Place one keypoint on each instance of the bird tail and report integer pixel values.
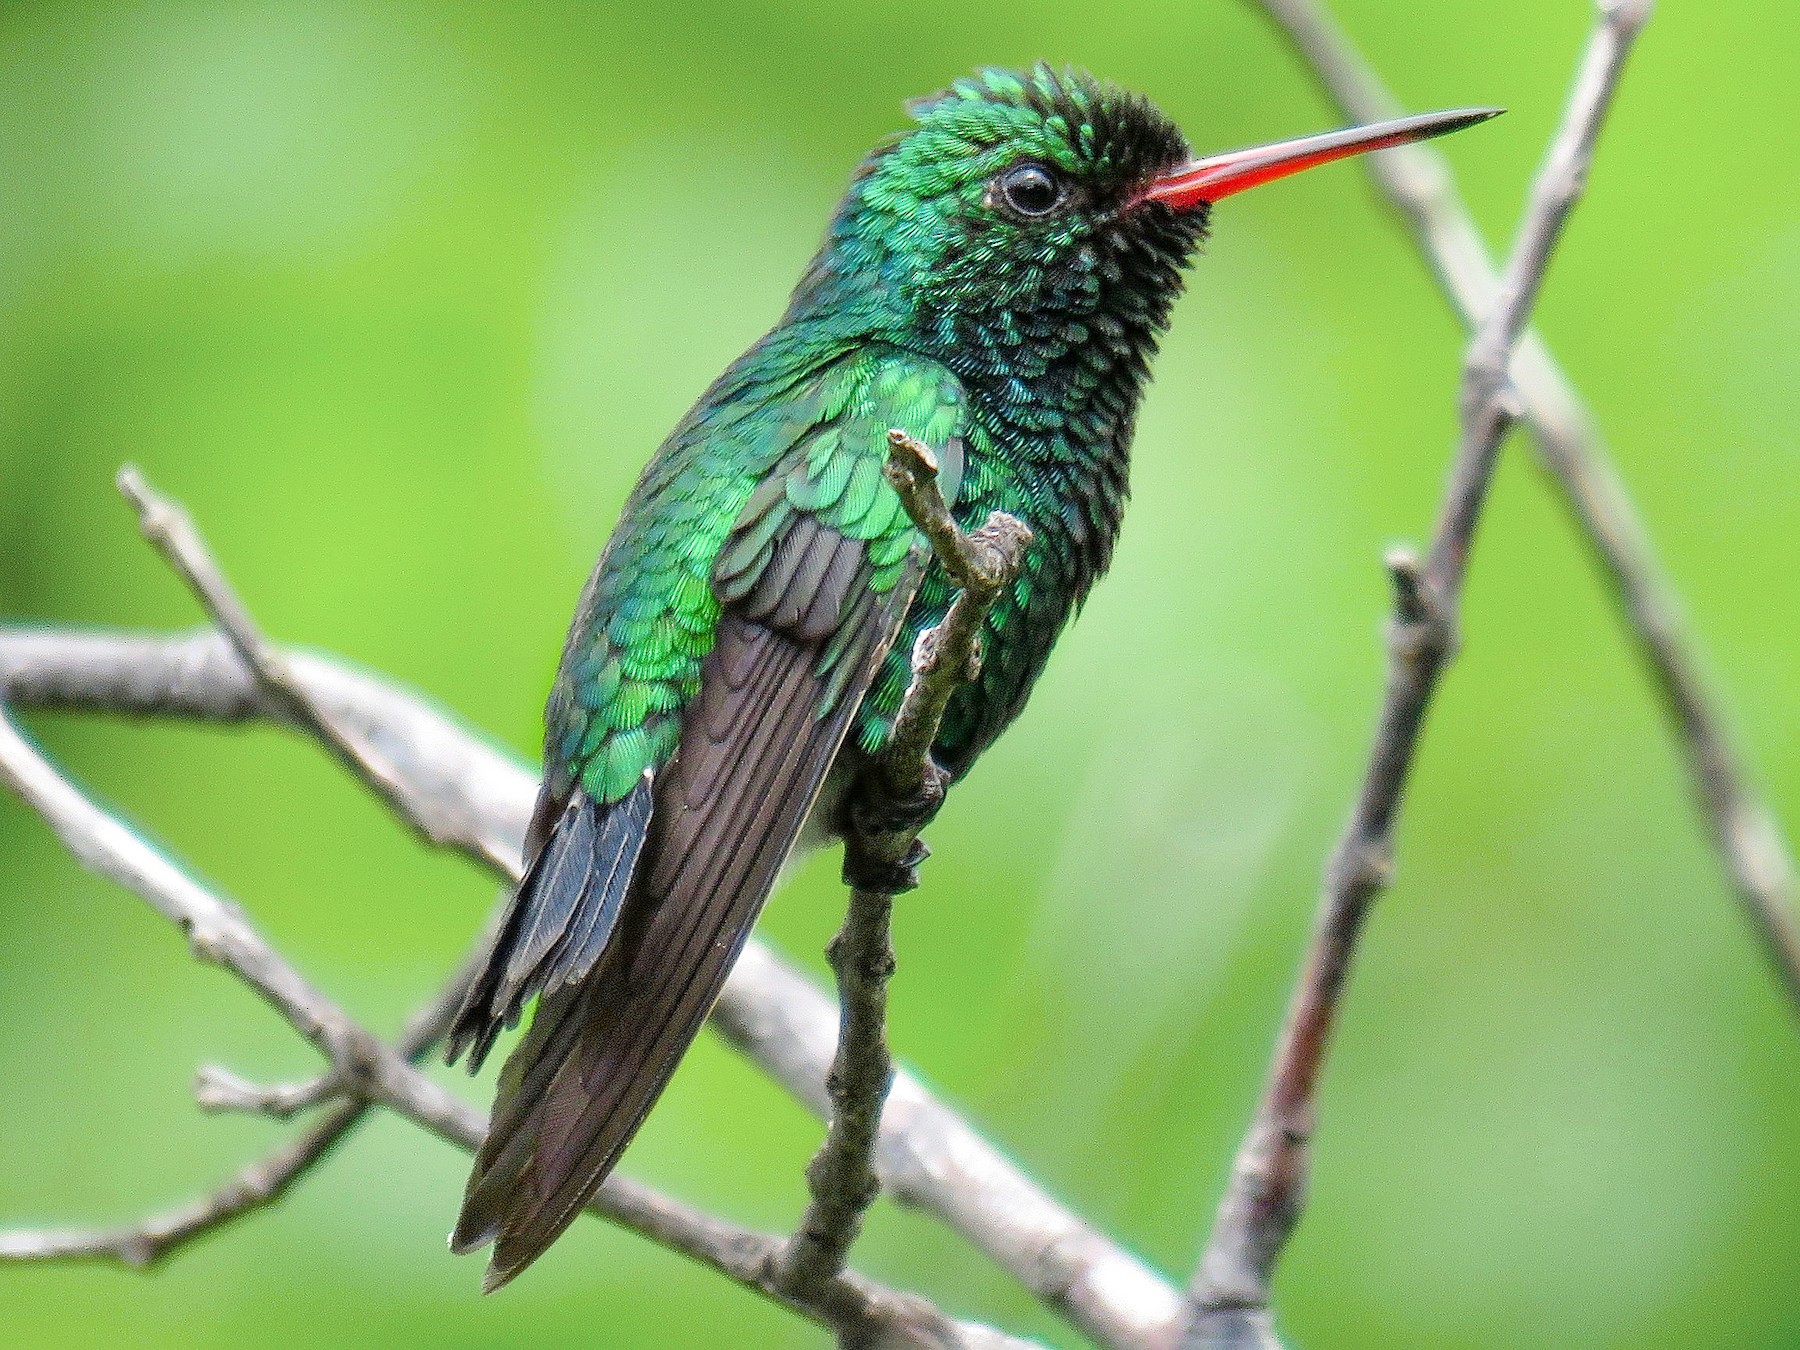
(532, 1173)
(599, 1052)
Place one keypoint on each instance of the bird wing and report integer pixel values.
(652, 870)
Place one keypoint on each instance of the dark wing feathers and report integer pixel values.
(803, 589)
(753, 755)
(827, 607)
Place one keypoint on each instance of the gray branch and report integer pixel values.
(219, 1090)
(258, 1185)
(1417, 183)
(927, 1156)
(1264, 1197)
(880, 853)
(171, 533)
(858, 1310)
(981, 565)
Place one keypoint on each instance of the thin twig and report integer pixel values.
(1263, 1199)
(928, 1156)
(860, 1311)
(981, 564)
(880, 854)
(255, 1186)
(219, 1090)
(171, 532)
(1417, 182)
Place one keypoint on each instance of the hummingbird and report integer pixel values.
(994, 283)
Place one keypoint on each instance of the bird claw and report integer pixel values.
(864, 872)
(879, 825)
(876, 811)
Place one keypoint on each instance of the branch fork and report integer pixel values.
(1424, 625)
(217, 1090)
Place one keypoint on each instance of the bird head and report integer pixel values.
(1029, 212)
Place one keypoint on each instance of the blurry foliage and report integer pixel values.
(399, 298)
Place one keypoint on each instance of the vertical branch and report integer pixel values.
(900, 792)
(841, 1179)
(1416, 182)
(1229, 1292)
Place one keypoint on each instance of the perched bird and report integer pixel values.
(993, 283)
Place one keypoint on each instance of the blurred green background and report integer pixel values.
(399, 298)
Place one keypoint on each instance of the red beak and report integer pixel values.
(1207, 180)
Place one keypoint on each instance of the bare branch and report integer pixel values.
(253, 1187)
(219, 1090)
(927, 1155)
(860, 1311)
(171, 532)
(981, 565)
(479, 790)
(1266, 1192)
(841, 1179)
(880, 854)
(1417, 183)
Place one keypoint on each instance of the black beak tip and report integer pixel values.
(1449, 123)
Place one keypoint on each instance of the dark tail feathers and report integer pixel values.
(560, 919)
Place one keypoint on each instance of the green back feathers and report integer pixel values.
(708, 526)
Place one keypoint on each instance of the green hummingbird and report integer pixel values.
(994, 283)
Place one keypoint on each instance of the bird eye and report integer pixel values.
(1031, 190)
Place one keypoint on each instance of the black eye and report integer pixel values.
(1031, 190)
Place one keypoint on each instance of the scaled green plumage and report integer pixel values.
(756, 605)
(791, 430)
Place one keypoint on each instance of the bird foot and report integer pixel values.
(865, 871)
(882, 848)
